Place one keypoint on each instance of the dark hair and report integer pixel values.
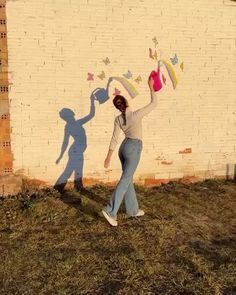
(121, 104)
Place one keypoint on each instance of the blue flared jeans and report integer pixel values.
(129, 154)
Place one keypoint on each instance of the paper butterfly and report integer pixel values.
(102, 75)
(155, 41)
(174, 60)
(90, 77)
(152, 55)
(138, 79)
(106, 61)
(182, 66)
(164, 79)
(117, 92)
(128, 75)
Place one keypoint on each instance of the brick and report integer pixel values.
(186, 151)
(10, 184)
(167, 162)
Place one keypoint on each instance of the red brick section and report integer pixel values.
(153, 182)
(5, 140)
(166, 162)
(186, 151)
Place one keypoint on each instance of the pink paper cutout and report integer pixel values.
(117, 92)
(90, 77)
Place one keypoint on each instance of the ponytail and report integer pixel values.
(124, 117)
(121, 104)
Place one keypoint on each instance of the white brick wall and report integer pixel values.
(54, 44)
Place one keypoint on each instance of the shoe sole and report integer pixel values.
(141, 214)
(108, 218)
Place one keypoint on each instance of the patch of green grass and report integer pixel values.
(184, 244)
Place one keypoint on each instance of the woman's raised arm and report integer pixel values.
(140, 113)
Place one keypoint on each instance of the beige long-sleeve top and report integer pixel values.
(133, 127)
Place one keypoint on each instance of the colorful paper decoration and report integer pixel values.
(155, 76)
(90, 77)
(152, 55)
(106, 61)
(102, 75)
(174, 60)
(171, 73)
(117, 92)
(128, 75)
(164, 79)
(138, 79)
(127, 85)
(154, 39)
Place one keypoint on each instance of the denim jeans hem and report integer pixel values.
(131, 215)
(114, 217)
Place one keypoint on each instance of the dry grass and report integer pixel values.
(185, 244)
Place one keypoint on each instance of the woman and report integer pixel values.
(129, 153)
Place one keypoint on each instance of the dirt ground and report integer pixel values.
(61, 244)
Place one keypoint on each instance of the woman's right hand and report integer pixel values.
(107, 162)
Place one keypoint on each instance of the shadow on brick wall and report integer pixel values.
(76, 151)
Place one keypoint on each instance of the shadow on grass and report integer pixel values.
(212, 251)
(111, 287)
(84, 201)
(229, 291)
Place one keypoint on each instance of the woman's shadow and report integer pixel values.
(75, 162)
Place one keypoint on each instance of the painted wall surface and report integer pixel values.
(54, 44)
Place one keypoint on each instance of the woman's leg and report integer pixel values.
(131, 202)
(130, 156)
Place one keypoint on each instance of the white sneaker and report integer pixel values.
(140, 213)
(111, 220)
